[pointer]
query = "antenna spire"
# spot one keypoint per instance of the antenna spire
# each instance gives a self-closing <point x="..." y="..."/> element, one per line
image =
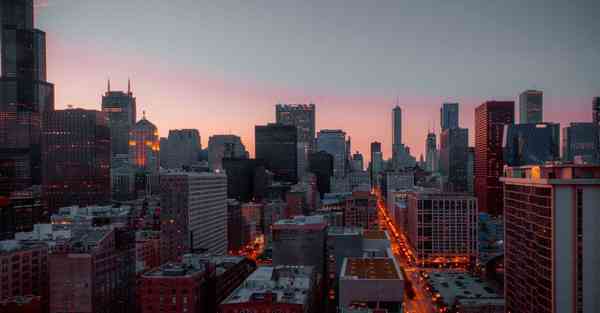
<point x="108" y="85"/>
<point x="129" y="85"/>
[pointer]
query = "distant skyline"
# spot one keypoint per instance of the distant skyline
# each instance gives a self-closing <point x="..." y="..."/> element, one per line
<point x="222" y="66"/>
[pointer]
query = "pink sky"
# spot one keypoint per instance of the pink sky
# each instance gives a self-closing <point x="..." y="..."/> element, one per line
<point x="179" y="96"/>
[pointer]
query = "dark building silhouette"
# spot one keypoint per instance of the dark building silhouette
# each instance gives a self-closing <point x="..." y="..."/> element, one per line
<point x="246" y="178"/>
<point x="490" y="118"/>
<point x="528" y="144"/>
<point x="454" y="145"/>
<point x="24" y="95"/>
<point x="596" y="110"/>
<point x="531" y="109"/>
<point x="120" y="108"/>
<point x="449" y="116"/>
<point x="321" y="164"/>
<point x="234" y="226"/>
<point x="76" y="158"/>
<point x="276" y="144"/>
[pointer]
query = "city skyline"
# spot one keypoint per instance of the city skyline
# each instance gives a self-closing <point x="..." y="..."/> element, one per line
<point x="218" y="89"/>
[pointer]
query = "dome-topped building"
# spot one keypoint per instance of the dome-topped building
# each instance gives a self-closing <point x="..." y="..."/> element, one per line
<point x="144" y="146"/>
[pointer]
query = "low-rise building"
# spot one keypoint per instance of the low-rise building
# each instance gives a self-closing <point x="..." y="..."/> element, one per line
<point x="372" y="282"/>
<point x="361" y="210"/>
<point x="147" y="250"/>
<point x="284" y="289"/>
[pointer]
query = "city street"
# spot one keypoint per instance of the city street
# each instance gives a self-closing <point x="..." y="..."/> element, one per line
<point x="421" y="303"/>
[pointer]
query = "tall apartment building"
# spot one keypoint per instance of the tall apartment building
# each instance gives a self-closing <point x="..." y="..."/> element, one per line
<point x="551" y="238"/>
<point x="442" y="227"/>
<point x="183" y="149"/>
<point x="76" y="158"/>
<point x="300" y="241"/>
<point x="193" y="213"/>
<point x="276" y="145"/>
<point x="490" y="118"/>
<point x="120" y="107"/>
<point x="25" y="95"/>
<point x="531" y="107"/>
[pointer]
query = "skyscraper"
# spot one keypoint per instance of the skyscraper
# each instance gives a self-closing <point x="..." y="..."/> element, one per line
<point x="531" y="107"/>
<point x="276" y="145"/>
<point x="449" y="115"/>
<point x="357" y="162"/>
<point x="396" y="133"/>
<point x="596" y="110"/>
<point x="76" y="158"/>
<point x="333" y="141"/>
<point x="144" y="146"/>
<point x="431" y="153"/>
<point x="183" y="148"/>
<point x="224" y="146"/>
<point x="580" y="141"/>
<point x="303" y="117"/>
<point x="121" y="110"/>
<point x="25" y="95"/>
<point x="490" y="118"/>
<point x="454" y="145"/>
<point x="529" y="144"/>
<point x="551" y="238"/>
<point x="321" y="164"/>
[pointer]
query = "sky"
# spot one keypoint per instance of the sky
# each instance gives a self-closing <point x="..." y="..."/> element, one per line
<point x="221" y="66"/>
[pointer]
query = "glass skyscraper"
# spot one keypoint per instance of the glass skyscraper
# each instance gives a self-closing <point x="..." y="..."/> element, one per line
<point x="529" y="144"/>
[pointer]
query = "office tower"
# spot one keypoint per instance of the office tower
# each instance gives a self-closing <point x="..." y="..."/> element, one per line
<point x="580" y="142"/>
<point x="321" y="164"/>
<point x="224" y="146"/>
<point x="272" y="289"/>
<point x="234" y="226"/>
<point x="397" y="126"/>
<point x="551" y="242"/>
<point x="373" y="282"/>
<point x="531" y="109"/>
<point x="122" y="181"/>
<point x="375" y="166"/>
<point x="333" y="141"/>
<point x="596" y="110"/>
<point x="25" y="96"/>
<point x="93" y="271"/>
<point x="193" y="214"/>
<point x="276" y="145"/>
<point x="357" y="162"/>
<point x="442" y="227"/>
<point x="303" y="117"/>
<point x="144" y="147"/>
<point x="24" y="270"/>
<point x="490" y="118"/>
<point x="246" y="178"/>
<point x="454" y="145"/>
<point x="394" y="181"/>
<point x="21" y="211"/>
<point x="120" y="108"/>
<point x="449" y="115"/>
<point x="184" y="145"/>
<point x="76" y="158"/>
<point x="361" y="210"/>
<point x="470" y="169"/>
<point x="431" y="153"/>
<point x="529" y="144"/>
<point x="300" y="241"/>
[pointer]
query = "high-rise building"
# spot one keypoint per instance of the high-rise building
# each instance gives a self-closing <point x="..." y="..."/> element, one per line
<point x="184" y="145"/>
<point x="531" y="110"/>
<point x="454" y="145"/>
<point x="193" y="214"/>
<point x="529" y="144"/>
<point x="490" y="118"/>
<point x="303" y="117"/>
<point x="442" y="227"/>
<point x="358" y="162"/>
<point x="551" y="241"/>
<point x="596" y="110"/>
<point x="246" y="178"/>
<point x="25" y="96"/>
<point x="470" y="169"/>
<point x="361" y="210"/>
<point x="431" y="153"/>
<point x="300" y="241"/>
<point x="321" y="164"/>
<point x="333" y="141"/>
<point x="224" y="146"/>
<point x="580" y="142"/>
<point x="76" y="158"/>
<point x="449" y="115"/>
<point x="375" y="165"/>
<point x="397" y="126"/>
<point x="144" y="146"/>
<point x="120" y="108"/>
<point x="276" y="145"/>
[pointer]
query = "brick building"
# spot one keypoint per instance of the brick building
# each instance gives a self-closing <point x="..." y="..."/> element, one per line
<point x="361" y="210"/>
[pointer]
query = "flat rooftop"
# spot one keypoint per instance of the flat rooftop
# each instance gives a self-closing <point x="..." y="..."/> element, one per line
<point x="344" y="231"/>
<point x="374" y="234"/>
<point x="464" y="287"/>
<point x="371" y="268"/>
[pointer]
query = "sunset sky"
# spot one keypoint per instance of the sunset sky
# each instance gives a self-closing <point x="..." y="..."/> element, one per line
<point x="221" y="66"/>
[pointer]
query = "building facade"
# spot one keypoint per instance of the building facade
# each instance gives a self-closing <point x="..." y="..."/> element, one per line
<point x="333" y="141"/>
<point x="490" y="118"/>
<point x="580" y="141"/>
<point x="551" y="239"/>
<point x="120" y="107"/>
<point x="431" y="153"/>
<point x="276" y="145"/>
<point x="76" y="158"/>
<point x="454" y="146"/>
<point x="361" y="210"/>
<point x="449" y="115"/>
<point x="224" y="146"/>
<point x="531" y="107"/>
<point x="528" y="144"/>
<point x="183" y="149"/>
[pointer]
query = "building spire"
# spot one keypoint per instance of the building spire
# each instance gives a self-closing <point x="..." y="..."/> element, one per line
<point x="144" y="114"/>
<point x="108" y="85"/>
<point x="129" y="85"/>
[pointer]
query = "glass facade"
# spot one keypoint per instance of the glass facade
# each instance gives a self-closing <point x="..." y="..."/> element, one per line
<point x="528" y="144"/>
